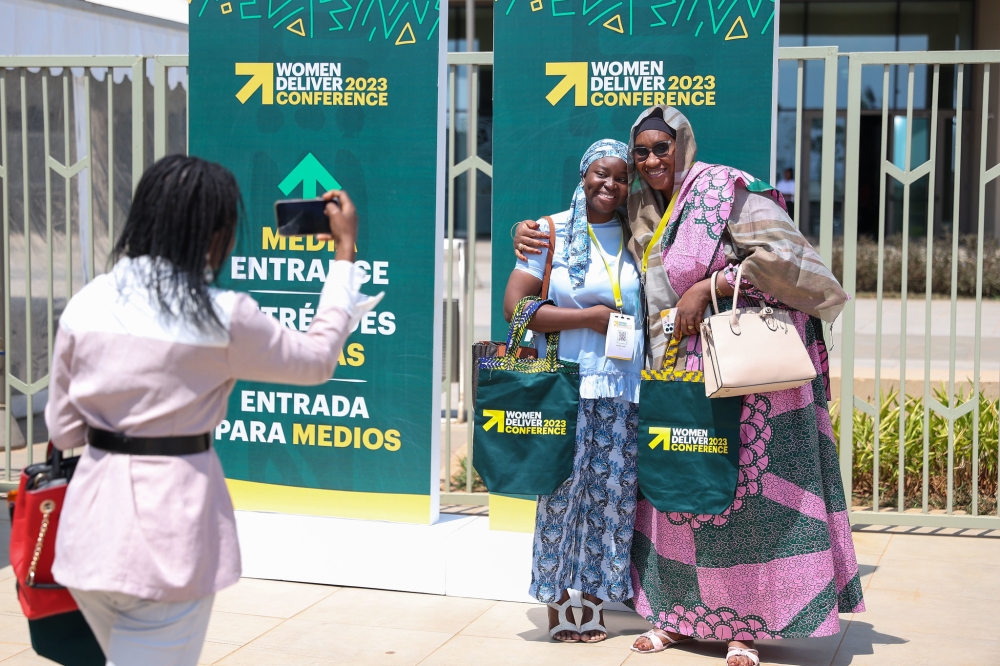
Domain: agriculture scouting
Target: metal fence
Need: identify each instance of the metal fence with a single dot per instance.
(56, 238)
(469, 167)
(943, 405)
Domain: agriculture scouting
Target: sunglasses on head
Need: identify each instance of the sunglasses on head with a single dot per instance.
(661, 149)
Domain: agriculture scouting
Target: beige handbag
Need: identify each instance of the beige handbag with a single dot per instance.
(752, 350)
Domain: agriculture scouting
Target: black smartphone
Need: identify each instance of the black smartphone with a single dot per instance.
(301, 217)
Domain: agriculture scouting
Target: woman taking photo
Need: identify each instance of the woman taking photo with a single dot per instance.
(779, 562)
(145, 359)
(583, 531)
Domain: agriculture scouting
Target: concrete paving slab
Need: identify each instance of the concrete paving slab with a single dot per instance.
(901, 612)
(511, 621)
(13, 626)
(463, 650)
(944, 548)
(237, 628)
(397, 610)
(864, 645)
(27, 658)
(867, 566)
(10, 649)
(955, 579)
(254, 656)
(871, 543)
(213, 651)
(342, 643)
(270, 598)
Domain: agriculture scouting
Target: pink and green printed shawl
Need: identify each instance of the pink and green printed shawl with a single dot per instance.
(779, 562)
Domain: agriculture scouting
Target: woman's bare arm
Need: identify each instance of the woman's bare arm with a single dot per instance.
(549, 318)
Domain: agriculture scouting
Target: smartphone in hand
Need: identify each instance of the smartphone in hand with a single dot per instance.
(302, 217)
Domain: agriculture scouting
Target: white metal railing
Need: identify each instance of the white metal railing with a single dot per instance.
(19, 276)
(907, 175)
(59, 275)
(470, 166)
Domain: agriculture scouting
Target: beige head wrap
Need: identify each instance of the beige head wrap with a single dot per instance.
(645, 205)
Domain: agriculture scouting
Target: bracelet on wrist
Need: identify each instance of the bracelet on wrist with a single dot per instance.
(512, 230)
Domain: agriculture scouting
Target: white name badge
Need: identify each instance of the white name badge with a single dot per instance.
(620, 341)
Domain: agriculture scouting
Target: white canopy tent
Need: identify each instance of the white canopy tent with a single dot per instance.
(107, 27)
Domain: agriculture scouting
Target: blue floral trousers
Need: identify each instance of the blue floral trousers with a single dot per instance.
(583, 531)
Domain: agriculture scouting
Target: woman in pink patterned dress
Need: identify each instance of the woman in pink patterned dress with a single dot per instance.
(779, 562)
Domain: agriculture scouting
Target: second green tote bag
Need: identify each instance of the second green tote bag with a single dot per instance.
(689, 445)
(526, 408)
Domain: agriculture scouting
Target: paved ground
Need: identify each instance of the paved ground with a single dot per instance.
(931, 600)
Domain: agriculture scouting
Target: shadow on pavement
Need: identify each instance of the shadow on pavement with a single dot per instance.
(861, 639)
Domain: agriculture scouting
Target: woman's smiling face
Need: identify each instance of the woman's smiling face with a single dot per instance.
(657, 171)
(605, 185)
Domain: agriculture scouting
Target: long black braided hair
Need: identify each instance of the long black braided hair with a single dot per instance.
(180, 205)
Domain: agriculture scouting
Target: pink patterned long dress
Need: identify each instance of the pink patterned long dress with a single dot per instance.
(779, 562)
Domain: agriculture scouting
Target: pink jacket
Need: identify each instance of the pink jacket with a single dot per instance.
(162, 527)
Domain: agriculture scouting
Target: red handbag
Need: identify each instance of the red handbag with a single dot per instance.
(39, 503)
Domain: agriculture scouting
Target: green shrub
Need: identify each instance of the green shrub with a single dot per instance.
(913, 452)
(458, 479)
(867, 266)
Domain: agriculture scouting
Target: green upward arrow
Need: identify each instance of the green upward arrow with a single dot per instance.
(309, 173)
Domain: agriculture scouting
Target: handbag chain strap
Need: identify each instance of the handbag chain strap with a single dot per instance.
(48, 506)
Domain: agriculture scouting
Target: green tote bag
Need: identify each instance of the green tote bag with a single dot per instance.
(526, 410)
(689, 445)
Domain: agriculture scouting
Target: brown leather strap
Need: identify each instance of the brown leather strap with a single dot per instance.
(548, 258)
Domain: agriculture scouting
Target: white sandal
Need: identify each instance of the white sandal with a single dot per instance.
(595, 621)
(564, 623)
(658, 644)
(743, 652)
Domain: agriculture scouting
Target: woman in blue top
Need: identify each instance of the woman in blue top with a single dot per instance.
(583, 531)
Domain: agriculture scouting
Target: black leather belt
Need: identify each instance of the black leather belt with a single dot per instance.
(148, 446)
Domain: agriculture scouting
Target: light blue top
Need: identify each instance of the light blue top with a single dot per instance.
(600, 376)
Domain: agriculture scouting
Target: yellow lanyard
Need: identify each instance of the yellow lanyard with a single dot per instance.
(615, 282)
(660, 228)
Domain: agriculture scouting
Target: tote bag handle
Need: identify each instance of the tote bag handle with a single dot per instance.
(523, 312)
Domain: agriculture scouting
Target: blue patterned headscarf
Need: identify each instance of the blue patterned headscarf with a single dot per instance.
(577, 249)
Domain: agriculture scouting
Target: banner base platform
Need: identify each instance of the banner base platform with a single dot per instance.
(457, 556)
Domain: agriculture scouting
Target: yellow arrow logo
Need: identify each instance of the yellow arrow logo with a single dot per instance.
(574, 76)
(662, 436)
(261, 76)
(496, 419)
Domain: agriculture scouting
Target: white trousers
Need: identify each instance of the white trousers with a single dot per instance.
(141, 632)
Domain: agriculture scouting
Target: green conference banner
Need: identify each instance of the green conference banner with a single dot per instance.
(570, 72)
(297, 97)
